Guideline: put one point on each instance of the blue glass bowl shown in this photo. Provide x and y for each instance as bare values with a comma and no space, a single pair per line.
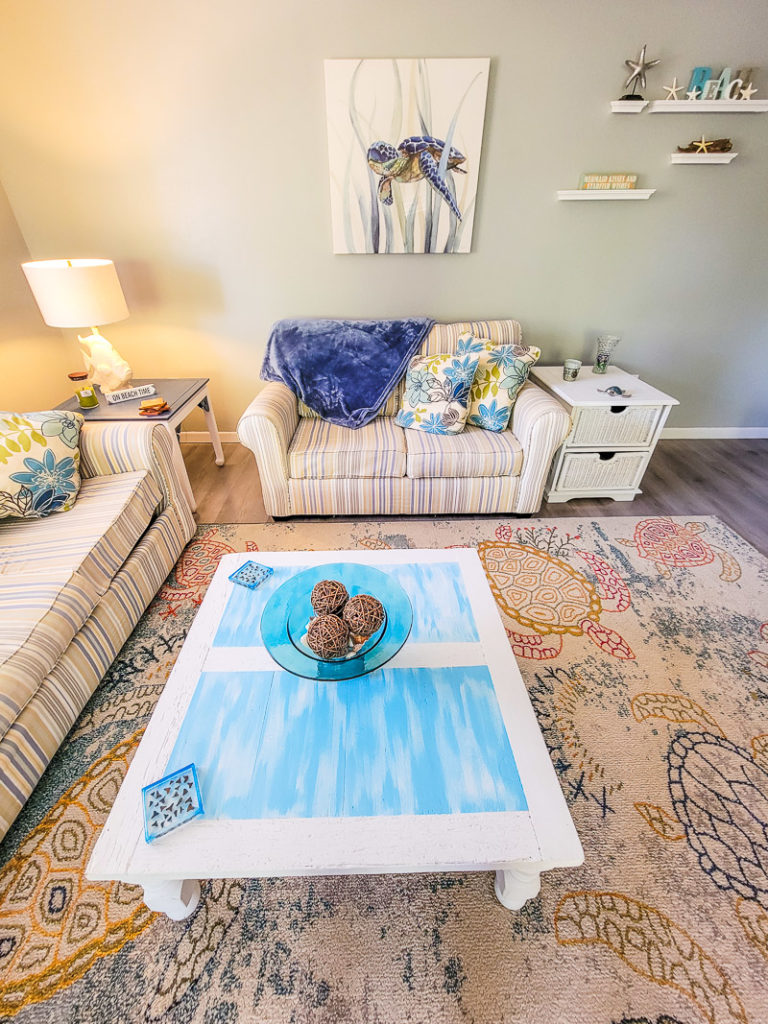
287,612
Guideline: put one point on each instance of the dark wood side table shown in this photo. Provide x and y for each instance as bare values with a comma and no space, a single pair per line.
183,395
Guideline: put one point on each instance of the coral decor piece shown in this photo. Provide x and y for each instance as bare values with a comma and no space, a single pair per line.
364,614
329,597
106,367
328,636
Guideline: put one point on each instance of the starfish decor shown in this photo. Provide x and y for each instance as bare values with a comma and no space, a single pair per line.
672,90
702,146
638,68
748,92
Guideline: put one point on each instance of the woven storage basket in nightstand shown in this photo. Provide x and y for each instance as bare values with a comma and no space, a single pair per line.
611,439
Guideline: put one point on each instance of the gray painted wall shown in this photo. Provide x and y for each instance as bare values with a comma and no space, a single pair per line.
187,142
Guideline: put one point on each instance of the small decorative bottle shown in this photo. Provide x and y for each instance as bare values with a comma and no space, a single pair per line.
84,390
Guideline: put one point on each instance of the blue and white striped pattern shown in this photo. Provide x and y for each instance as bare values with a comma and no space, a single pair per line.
399,741
441,609
95,537
121,540
474,452
322,449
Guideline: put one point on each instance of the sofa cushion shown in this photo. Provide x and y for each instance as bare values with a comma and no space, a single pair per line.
436,395
501,372
40,617
39,463
473,453
321,450
94,539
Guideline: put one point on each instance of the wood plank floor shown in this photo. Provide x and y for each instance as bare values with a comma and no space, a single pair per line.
726,478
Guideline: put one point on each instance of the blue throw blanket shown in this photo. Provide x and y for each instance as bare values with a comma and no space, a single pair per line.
342,369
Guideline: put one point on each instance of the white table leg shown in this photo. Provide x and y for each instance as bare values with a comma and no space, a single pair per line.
515,886
213,429
181,469
177,899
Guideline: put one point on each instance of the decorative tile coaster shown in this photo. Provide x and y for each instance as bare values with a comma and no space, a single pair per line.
170,802
251,574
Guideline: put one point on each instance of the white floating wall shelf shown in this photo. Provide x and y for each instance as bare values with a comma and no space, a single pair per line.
702,158
628,106
605,193
708,106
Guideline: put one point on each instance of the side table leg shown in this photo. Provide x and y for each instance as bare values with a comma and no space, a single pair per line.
515,886
213,430
177,899
181,469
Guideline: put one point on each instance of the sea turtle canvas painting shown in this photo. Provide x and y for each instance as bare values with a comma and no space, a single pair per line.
404,142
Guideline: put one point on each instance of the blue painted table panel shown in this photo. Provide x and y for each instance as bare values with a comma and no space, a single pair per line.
401,741
441,608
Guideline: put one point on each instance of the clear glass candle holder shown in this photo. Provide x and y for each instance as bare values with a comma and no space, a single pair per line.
606,343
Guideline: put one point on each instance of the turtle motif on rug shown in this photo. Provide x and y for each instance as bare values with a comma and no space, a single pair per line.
670,545
546,594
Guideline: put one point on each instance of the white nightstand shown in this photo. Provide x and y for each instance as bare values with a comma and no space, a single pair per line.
611,438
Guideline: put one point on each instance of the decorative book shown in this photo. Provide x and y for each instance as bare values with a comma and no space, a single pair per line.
126,394
607,181
171,801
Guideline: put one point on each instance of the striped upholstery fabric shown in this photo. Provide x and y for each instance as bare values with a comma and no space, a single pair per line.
267,427
445,337
94,571
35,735
38,623
321,449
110,448
473,452
389,408
94,537
395,496
541,425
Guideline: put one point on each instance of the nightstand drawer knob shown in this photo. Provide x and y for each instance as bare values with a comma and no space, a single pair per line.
606,456
618,408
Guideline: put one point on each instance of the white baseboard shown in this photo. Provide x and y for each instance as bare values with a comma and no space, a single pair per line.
713,432
201,437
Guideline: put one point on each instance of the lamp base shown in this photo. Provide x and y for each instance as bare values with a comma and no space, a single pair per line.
105,366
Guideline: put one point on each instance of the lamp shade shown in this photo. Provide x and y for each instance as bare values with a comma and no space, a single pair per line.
76,293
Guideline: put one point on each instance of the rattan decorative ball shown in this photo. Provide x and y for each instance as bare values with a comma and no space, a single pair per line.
328,597
364,614
328,636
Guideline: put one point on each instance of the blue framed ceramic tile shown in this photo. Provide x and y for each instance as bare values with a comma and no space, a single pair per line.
171,801
251,574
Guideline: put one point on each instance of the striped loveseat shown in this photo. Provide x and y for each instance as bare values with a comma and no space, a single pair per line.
308,466
73,586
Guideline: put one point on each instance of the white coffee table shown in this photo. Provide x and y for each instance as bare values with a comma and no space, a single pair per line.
434,762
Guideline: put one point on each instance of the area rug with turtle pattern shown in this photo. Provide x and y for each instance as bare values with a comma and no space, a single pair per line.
644,647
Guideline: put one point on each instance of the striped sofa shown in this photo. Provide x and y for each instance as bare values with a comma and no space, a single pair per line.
73,586
308,466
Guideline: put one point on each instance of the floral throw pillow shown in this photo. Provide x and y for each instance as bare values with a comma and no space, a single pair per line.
501,372
39,463
436,393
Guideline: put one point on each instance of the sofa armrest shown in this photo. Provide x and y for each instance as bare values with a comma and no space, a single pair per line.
541,424
108,448
267,427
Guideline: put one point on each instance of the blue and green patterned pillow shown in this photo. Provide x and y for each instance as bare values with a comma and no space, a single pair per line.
501,372
436,393
39,463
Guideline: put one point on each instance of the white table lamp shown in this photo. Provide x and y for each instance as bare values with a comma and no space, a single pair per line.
84,293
